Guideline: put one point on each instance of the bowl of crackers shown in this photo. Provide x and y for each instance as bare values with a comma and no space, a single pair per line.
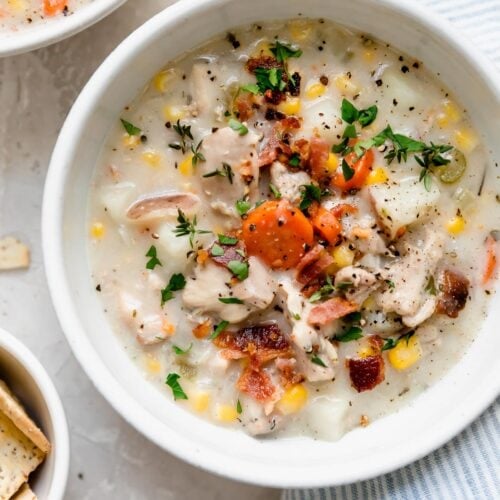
34,442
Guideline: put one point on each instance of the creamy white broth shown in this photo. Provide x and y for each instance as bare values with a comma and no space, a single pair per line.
200,90
16,15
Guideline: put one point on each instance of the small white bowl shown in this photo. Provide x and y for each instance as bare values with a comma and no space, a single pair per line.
394,441
53,30
29,381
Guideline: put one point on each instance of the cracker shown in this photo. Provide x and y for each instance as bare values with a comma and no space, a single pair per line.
13,254
12,408
24,493
19,456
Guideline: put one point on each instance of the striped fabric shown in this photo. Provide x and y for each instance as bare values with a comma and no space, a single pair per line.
468,467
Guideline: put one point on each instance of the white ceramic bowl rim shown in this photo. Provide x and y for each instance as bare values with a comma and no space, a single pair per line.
55,408
52,229
54,30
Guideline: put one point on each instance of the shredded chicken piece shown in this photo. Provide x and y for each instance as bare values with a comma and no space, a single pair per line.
363,283
288,183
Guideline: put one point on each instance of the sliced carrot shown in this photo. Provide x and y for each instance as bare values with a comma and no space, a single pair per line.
491,259
332,309
327,225
278,233
361,169
344,209
53,7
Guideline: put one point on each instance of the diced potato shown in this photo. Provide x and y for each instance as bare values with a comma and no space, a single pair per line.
172,249
293,400
401,204
405,354
402,89
116,199
326,417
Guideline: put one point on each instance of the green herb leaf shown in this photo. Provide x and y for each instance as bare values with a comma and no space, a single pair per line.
350,132
430,287
237,126
219,329
227,240
180,351
197,154
294,160
309,194
275,191
239,409
177,282
253,88
318,361
230,300
341,147
242,207
367,116
129,128
327,289
173,382
217,251
389,344
296,316
354,333
390,283
153,261
348,111
347,171
282,52
184,131
239,269
187,227
269,79
226,171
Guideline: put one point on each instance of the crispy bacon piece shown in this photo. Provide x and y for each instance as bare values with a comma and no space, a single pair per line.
256,383
244,106
264,62
344,209
366,373
288,374
453,293
313,265
275,144
231,252
318,160
261,343
332,309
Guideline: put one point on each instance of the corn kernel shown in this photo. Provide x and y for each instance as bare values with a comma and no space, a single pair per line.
153,365
343,256
299,30
17,5
97,230
442,121
406,353
376,176
151,158
168,327
345,84
455,225
200,401
162,78
226,413
366,350
291,106
368,55
186,165
173,113
332,163
315,90
369,304
451,111
293,400
466,140
263,48
131,141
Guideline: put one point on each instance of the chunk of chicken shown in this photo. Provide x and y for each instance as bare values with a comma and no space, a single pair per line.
288,183
409,275
158,205
306,338
363,283
226,149
211,282
207,94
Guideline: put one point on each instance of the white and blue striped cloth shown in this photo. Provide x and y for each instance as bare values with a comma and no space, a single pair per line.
468,467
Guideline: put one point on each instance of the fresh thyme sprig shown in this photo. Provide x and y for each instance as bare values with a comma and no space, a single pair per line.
187,227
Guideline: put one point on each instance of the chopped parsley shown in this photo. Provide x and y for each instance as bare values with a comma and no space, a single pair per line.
367,116
351,114
226,171
230,300
177,282
242,207
353,333
239,269
237,126
309,194
187,227
253,88
294,160
130,128
347,171
227,240
318,361
219,329
275,191
180,351
217,250
391,343
430,287
153,259
327,289
173,382
390,284
296,316
239,409
282,52
269,79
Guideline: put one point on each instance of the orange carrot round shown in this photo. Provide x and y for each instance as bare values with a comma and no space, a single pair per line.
278,233
327,225
491,259
361,169
53,7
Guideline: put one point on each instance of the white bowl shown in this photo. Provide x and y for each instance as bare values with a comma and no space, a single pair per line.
42,34
29,381
435,417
